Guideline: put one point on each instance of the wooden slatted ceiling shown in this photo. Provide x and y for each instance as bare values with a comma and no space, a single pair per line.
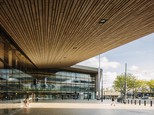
60,33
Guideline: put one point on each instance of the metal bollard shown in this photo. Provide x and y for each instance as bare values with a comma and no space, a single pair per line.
135,102
139,102
128,101
131,101
144,103
151,103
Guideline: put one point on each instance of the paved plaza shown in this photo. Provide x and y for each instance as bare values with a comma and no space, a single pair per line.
82,108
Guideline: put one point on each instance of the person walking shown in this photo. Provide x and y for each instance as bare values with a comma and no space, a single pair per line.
26,102
113,101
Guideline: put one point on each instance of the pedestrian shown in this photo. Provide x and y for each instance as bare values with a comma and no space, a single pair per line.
113,101
26,102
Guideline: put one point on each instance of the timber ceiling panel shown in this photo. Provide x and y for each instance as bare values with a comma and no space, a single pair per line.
60,33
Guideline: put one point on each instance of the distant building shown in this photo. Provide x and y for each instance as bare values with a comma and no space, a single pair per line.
109,93
76,82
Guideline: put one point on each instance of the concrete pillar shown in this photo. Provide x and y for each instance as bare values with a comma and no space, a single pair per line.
98,84
97,87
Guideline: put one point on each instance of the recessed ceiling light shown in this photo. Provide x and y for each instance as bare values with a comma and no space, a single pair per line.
102,21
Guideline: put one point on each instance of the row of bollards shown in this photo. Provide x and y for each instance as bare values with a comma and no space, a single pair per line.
135,102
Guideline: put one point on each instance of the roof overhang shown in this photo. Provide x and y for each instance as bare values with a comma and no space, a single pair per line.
61,33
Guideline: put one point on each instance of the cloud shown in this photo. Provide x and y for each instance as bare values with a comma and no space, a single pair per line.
104,63
144,74
141,73
109,78
109,64
134,68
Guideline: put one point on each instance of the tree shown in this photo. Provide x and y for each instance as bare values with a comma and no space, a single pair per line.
131,83
142,86
151,85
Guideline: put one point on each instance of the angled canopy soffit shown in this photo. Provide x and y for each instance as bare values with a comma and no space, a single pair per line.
60,33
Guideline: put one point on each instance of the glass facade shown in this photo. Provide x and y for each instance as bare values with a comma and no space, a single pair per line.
60,85
20,78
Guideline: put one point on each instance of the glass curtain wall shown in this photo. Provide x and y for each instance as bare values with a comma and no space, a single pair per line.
71,85
19,79
13,77
62,85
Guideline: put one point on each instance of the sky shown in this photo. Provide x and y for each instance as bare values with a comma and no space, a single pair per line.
138,54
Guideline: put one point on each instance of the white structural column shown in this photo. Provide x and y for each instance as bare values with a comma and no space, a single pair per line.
98,81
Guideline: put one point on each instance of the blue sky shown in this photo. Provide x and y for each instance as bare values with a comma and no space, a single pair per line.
138,54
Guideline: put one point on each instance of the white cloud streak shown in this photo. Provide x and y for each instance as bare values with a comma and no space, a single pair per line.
134,68
104,62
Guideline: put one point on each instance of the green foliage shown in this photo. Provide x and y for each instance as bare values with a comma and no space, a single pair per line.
131,82
141,86
150,84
